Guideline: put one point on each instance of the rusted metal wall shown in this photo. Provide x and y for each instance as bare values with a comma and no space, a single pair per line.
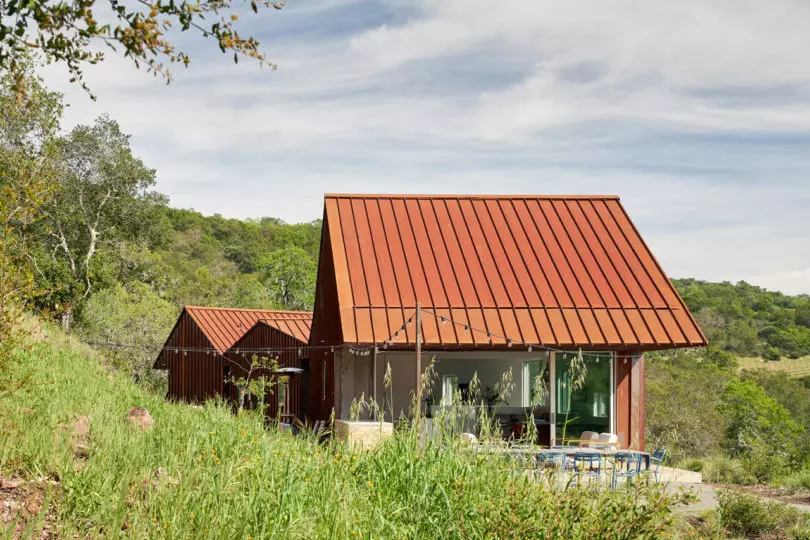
630,400
326,331
193,375
291,354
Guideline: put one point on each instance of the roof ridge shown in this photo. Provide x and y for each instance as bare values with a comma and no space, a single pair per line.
466,196
248,309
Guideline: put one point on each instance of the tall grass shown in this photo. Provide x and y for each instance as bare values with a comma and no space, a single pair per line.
204,472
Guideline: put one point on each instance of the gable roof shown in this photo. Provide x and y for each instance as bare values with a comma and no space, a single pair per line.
224,326
550,270
299,328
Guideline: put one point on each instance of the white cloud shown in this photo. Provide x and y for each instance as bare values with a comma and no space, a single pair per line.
697,113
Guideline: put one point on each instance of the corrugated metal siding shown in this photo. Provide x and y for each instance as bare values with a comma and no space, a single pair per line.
325,331
630,415
195,376
563,271
192,374
264,336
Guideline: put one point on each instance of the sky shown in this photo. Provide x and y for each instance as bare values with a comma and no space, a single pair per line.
696,113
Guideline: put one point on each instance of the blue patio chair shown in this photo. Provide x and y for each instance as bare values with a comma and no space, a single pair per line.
626,465
550,462
587,464
656,460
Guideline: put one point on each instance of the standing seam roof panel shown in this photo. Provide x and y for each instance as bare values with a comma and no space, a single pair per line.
562,271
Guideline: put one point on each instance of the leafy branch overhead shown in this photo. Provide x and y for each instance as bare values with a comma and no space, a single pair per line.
144,31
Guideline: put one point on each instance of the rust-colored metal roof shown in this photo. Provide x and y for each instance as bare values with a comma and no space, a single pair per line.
568,271
298,328
224,326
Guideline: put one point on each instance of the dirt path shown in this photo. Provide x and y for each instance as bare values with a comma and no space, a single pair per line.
707,497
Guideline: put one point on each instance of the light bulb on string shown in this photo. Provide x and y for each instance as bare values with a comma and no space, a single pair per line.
529,348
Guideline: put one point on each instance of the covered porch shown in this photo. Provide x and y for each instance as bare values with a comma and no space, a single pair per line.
515,388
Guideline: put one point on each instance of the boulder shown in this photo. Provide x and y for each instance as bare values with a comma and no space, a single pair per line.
81,427
140,417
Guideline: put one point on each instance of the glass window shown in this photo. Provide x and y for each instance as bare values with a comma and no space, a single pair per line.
535,383
449,389
282,396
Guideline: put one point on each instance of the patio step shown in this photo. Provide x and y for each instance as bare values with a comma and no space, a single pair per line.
670,474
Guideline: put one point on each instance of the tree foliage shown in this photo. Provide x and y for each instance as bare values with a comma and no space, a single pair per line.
103,196
290,274
135,315
145,31
754,419
749,320
29,117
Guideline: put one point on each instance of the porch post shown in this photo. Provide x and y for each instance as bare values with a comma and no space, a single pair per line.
374,378
552,397
418,366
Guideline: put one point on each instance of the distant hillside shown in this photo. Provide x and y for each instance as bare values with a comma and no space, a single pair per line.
748,320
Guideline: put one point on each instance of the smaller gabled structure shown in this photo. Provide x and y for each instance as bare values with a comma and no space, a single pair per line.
285,340
193,352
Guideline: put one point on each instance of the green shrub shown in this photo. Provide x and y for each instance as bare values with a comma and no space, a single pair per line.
722,469
745,515
756,423
692,464
692,386
763,464
797,481
772,353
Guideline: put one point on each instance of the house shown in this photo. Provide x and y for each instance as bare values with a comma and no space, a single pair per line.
520,283
194,353
284,341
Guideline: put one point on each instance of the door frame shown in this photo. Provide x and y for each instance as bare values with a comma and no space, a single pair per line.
553,393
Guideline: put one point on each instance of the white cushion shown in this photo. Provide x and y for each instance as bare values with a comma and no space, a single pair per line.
588,436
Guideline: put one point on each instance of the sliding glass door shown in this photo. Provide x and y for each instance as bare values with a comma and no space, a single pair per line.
583,394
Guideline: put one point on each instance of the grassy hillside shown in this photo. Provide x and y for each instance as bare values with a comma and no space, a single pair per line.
203,472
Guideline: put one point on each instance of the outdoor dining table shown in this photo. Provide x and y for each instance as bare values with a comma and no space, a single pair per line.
570,451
